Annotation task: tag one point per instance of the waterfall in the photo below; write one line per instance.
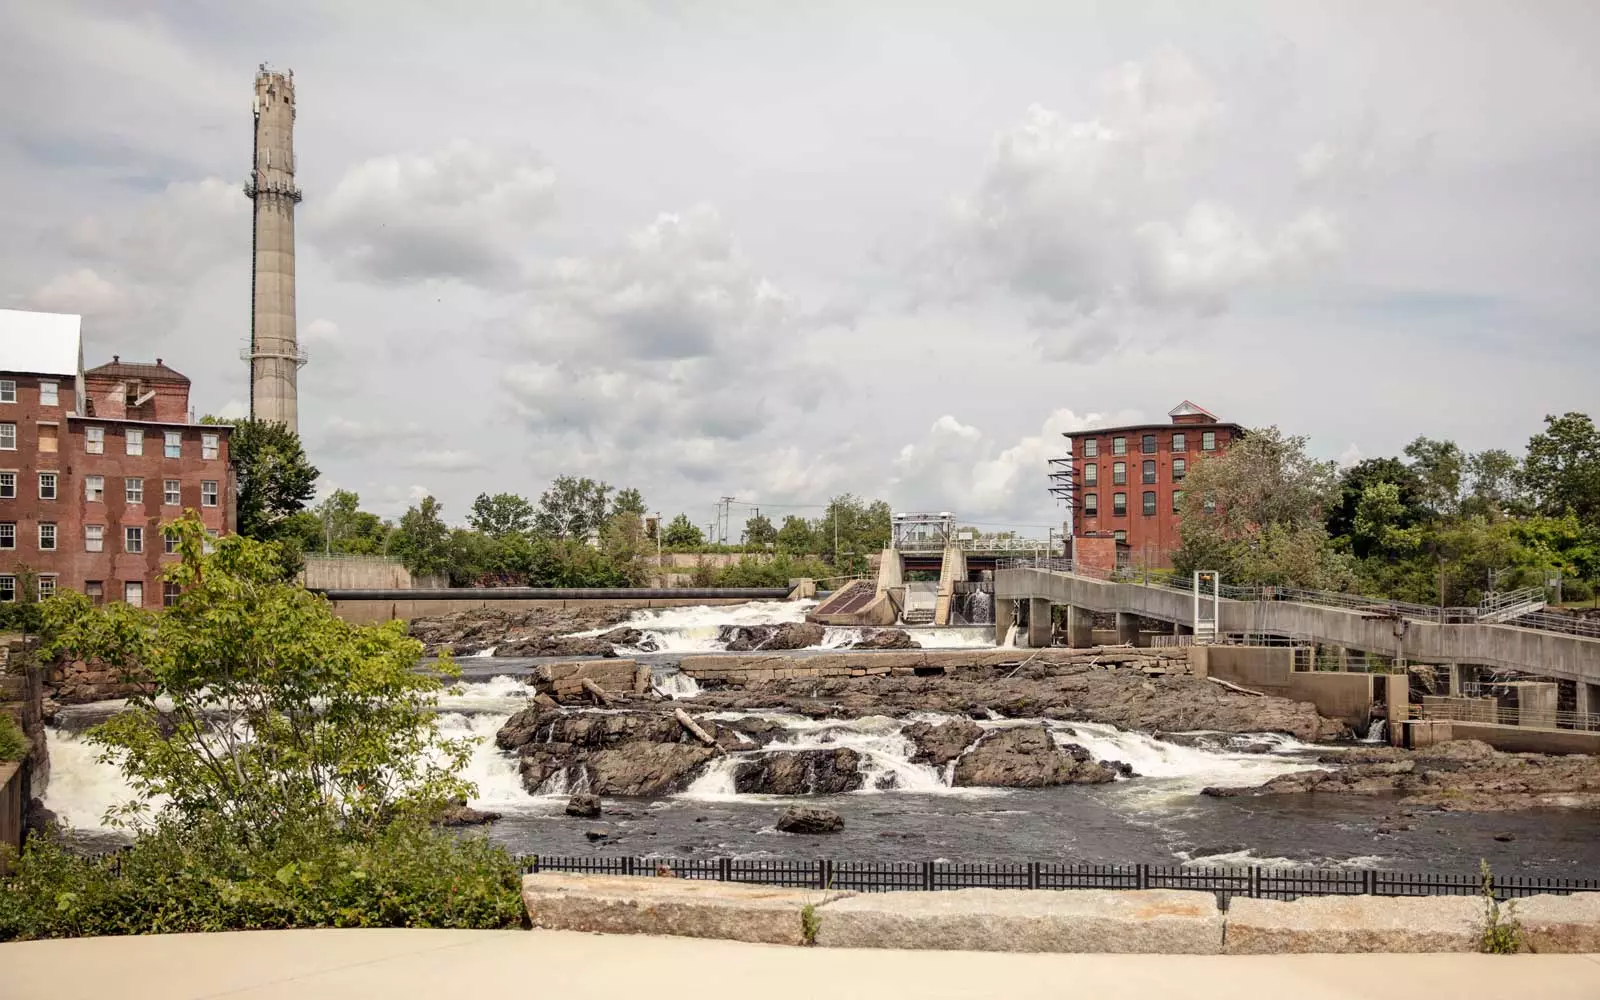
(675, 685)
(1377, 731)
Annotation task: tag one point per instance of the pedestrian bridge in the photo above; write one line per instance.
(1547, 645)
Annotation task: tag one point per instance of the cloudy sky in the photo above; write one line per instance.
(778, 251)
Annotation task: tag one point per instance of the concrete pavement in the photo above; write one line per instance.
(399, 964)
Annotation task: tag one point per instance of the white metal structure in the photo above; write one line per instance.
(923, 531)
(1206, 609)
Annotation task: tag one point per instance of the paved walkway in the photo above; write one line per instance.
(399, 964)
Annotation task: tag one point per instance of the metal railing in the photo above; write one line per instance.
(1434, 709)
(933, 876)
(1546, 622)
(975, 545)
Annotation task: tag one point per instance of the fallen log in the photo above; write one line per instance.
(595, 691)
(693, 728)
(1234, 687)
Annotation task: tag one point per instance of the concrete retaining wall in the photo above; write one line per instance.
(357, 573)
(1270, 670)
(1512, 739)
(750, 668)
(367, 612)
(13, 808)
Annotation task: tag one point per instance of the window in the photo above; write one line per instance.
(8, 485)
(133, 489)
(47, 536)
(1149, 503)
(1180, 468)
(8, 534)
(1121, 536)
(211, 536)
(1091, 474)
(135, 439)
(1177, 501)
(1119, 446)
(1119, 505)
(1147, 444)
(1091, 448)
(1210, 506)
(49, 394)
(94, 537)
(1149, 470)
(1179, 443)
(208, 445)
(8, 390)
(94, 488)
(169, 541)
(8, 589)
(169, 594)
(94, 440)
(208, 493)
(1091, 505)
(1208, 441)
(133, 594)
(95, 591)
(1119, 473)
(47, 486)
(171, 492)
(172, 441)
(48, 438)
(133, 540)
(8, 437)
(47, 586)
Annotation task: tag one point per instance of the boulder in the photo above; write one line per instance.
(940, 743)
(555, 645)
(810, 819)
(632, 638)
(886, 638)
(640, 768)
(1026, 757)
(800, 772)
(458, 813)
(788, 635)
(584, 806)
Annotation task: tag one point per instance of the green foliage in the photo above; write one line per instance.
(422, 541)
(680, 533)
(13, 745)
(274, 478)
(776, 572)
(574, 507)
(629, 503)
(861, 528)
(178, 879)
(810, 923)
(1501, 934)
(1562, 471)
(257, 709)
(342, 527)
(501, 515)
(796, 537)
(759, 531)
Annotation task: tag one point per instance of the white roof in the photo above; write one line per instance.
(40, 343)
(1188, 409)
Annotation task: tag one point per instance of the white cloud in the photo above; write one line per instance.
(81, 291)
(461, 213)
(319, 331)
(1350, 456)
(443, 460)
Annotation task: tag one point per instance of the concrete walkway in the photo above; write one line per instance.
(398, 964)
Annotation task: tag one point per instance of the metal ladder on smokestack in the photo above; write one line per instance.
(1206, 607)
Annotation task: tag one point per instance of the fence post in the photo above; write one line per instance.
(535, 869)
(1144, 875)
(1255, 881)
(627, 865)
(1033, 874)
(825, 872)
(725, 869)
(927, 875)
(1369, 882)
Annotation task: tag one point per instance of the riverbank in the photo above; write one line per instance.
(425, 964)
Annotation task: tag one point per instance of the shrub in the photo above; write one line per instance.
(1501, 934)
(13, 745)
(177, 879)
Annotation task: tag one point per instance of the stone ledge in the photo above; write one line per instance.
(1344, 924)
(1560, 924)
(1153, 921)
(729, 911)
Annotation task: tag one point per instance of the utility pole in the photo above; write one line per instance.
(726, 509)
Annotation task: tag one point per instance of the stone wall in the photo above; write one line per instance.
(363, 573)
(76, 682)
(22, 693)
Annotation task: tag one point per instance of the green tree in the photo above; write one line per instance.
(338, 524)
(275, 480)
(572, 507)
(1440, 467)
(796, 537)
(1493, 478)
(1353, 483)
(258, 710)
(681, 533)
(422, 541)
(1562, 470)
(501, 515)
(860, 527)
(759, 531)
(629, 502)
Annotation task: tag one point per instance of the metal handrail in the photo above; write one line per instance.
(1473, 710)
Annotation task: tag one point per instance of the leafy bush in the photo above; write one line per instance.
(1501, 934)
(177, 879)
(776, 572)
(13, 745)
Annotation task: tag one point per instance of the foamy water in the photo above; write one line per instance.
(697, 629)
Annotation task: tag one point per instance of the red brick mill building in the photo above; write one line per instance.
(93, 463)
(1124, 485)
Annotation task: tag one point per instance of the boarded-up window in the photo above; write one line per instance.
(47, 437)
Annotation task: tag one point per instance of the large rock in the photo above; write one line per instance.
(1152, 921)
(466, 632)
(789, 635)
(584, 806)
(458, 813)
(640, 768)
(1335, 924)
(632, 638)
(940, 743)
(810, 819)
(800, 772)
(555, 645)
(1026, 757)
(886, 638)
(1569, 924)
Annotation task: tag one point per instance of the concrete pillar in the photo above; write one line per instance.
(1454, 689)
(1536, 704)
(1005, 616)
(1397, 696)
(1039, 636)
(1179, 628)
(1589, 703)
(1080, 627)
(274, 347)
(1128, 628)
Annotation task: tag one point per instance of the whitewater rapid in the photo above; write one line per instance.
(697, 629)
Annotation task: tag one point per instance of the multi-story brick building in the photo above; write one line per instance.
(94, 463)
(1127, 482)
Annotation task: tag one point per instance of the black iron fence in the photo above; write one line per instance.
(931, 876)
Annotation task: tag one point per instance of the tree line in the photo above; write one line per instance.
(1436, 525)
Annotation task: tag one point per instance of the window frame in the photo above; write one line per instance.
(1120, 536)
(1177, 501)
(55, 392)
(8, 529)
(96, 483)
(46, 582)
(216, 492)
(55, 485)
(128, 588)
(8, 386)
(133, 441)
(1091, 447)
(133, 539)
(210, 445)
(1148, 444)
(97, 544)
(1180, 441)
(1119, 507)
(94, 440)
(169, 542)
(1180, 469)
(172, 444)
(1119, 473)
(1091, 474)
(1147, 472)
(1208, 440)
(133, 490)
(5, 427)
(55, 536)
(1091, 505)
(8, 588)
(169, 593)
(54, 437)
(1119, 445)
(95, 591)
(172, 493)
(13, 485)
(1148, 504)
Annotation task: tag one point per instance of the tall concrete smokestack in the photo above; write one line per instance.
(275, 357)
